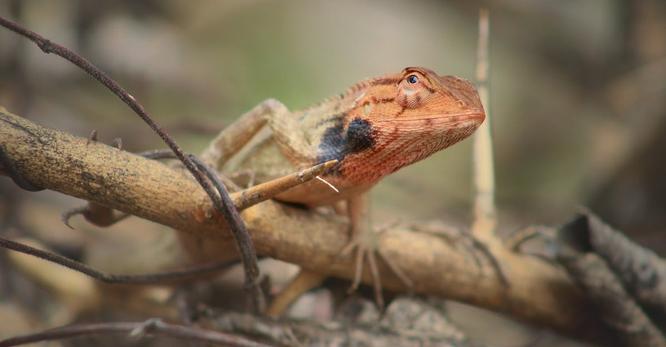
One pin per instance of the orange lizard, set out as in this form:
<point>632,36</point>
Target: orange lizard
<point>373,129</point>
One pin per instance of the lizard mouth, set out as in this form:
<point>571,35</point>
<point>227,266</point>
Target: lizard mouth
<point>452,118</point>
<point>469,115</point>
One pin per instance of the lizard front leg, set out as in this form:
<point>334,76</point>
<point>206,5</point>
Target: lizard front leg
<point>365,242</point>
<point>234,137</point>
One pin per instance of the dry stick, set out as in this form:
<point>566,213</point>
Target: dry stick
<point>485,218</point>
<point>114,279</point>
<point>484,175</point>
<point>134,329</point>
<point>263,191</point>
<point>222,202</point>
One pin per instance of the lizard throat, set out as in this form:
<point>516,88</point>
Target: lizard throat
<point>391,150</point>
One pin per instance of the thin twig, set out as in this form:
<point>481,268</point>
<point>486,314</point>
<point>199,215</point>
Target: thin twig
<point>263,191</point>
<point>268,190</point>
<point>154,278</point>
<point>136,330</point>
<point>221,202</point>
<point>256,295</point>
<point>484,173</point>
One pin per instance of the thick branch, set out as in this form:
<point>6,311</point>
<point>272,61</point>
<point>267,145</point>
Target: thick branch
<point>538,292</point>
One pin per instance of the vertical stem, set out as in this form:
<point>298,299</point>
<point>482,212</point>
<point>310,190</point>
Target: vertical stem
<point>483,167</point>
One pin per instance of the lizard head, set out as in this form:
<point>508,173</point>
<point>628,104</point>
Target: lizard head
<point>392,121</point>
<point>399,119</point>
<point>422,103</point>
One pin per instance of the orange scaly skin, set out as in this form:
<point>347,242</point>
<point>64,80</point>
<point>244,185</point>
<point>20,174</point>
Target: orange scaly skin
<point>373,129</point>
<point>377,127</point>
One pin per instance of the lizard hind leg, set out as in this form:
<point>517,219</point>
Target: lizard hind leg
<point>304,281</point>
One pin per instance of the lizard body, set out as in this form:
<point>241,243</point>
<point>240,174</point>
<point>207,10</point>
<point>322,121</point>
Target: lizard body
<point>374,128</point>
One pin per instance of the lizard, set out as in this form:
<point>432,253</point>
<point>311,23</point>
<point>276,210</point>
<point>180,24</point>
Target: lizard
<point>374,128</point>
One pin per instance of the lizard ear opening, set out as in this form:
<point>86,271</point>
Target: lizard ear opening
<point>413,90</point>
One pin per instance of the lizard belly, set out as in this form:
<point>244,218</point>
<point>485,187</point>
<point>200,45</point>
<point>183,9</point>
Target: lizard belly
<point>317,193</point>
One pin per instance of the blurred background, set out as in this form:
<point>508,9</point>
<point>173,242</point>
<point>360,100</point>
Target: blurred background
<point>578,101</point>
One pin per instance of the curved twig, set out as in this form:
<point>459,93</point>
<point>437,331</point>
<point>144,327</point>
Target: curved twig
<point>220,197</point>
<point>134,329</point>
<point>154,278</point>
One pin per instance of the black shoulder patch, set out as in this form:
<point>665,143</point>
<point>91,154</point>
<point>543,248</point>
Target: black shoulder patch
<point>336,143</point>
<point>332,145</point>
<point>359,135</point>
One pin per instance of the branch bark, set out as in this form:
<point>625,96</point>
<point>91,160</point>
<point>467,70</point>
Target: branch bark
<point>538,291</point>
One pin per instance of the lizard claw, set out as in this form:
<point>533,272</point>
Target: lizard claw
<point>366,246</point>
<point>117,143</point>
<point>67,215</point>
<point>96,214</point>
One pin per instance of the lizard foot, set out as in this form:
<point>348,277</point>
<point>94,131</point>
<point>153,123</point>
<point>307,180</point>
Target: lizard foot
<point>96,214</point>
<point>365,245</point>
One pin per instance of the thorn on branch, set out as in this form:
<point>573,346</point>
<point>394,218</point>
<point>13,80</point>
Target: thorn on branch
<point>92,137</point>
<point>117,143</point>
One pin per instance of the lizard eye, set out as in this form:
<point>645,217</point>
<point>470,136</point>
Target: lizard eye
<point>413,90</point>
